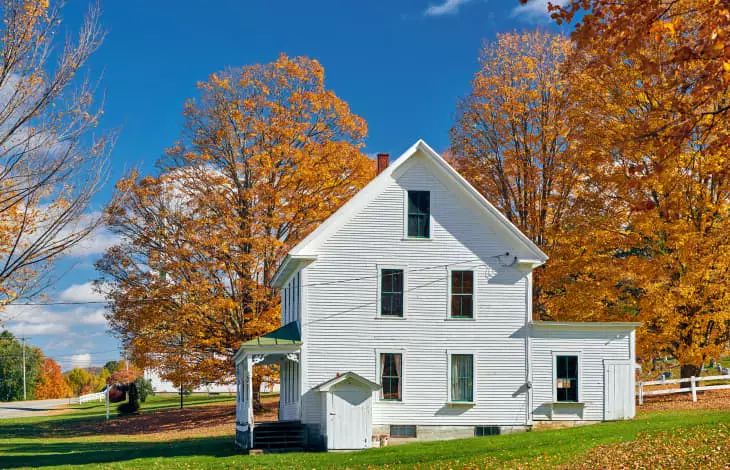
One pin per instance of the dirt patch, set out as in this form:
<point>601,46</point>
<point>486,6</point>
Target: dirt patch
<point>709,399</point>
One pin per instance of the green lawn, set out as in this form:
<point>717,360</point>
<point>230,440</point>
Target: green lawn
<point>54,442</point>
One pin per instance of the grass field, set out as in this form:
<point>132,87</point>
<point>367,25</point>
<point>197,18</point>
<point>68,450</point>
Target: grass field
<point>202,437</point>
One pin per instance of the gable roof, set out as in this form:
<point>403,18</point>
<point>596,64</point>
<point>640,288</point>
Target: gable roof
<point>305,251</point>
<point>358,379</point>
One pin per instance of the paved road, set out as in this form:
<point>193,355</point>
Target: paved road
<point>21,409</point>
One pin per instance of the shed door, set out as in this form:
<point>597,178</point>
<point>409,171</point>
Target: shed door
<point>349,424</point>
<point>618,395</point>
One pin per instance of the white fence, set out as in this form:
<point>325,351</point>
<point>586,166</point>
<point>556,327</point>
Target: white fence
<point>693,386</point>
<point>100,396</point>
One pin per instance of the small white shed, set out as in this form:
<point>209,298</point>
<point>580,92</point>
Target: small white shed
<point>348,411</point>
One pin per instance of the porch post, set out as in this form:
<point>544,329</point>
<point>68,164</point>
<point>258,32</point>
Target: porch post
<point>249,394</point>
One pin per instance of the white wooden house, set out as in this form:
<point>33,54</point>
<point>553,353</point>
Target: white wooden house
<point>408,313</point>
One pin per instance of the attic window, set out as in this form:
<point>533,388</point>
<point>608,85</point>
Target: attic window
<point>419,214</point>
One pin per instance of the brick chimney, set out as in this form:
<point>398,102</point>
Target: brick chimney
<point>383,161</point>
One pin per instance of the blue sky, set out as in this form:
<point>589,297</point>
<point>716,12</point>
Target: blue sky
<point>402,65</point>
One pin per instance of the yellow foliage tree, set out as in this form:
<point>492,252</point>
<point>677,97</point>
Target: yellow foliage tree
<point>512,137</point>
<point>268,153</point>
<point>650,238</point>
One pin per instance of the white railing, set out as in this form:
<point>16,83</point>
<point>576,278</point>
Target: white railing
<point>100,396</point>
<point>693,387</point>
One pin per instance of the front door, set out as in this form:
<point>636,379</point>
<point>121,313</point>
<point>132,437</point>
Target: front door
<point>618,396</point>
<point>349,423</point>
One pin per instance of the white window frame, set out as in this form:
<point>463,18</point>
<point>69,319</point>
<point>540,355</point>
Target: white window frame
<point>378,309</point>
<point>405,216</point>
<point>449,354</point>
<point>474,294</point>
<point>379,378</point>
<point>579,355</point>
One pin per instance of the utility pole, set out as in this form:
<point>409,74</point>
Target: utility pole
<point>182,345</point>
<point>25,391</point>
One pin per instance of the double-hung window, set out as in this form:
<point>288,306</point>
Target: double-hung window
<point>391,292</point>
<point>566,378</point>
<point>391,376</point>
<point>462,378</point>
<point>419,214</point>
<point>462,294</point>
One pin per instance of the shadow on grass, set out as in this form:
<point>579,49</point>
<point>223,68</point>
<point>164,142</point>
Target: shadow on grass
<point>82,453</point>
<point>150,421</point>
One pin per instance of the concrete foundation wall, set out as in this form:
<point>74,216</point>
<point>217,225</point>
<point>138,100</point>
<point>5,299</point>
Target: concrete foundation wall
<point>441,433</point>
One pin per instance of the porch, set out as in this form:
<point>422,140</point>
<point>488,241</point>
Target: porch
<point>281,347</point>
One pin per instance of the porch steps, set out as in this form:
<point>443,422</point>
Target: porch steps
<point>279,435</point>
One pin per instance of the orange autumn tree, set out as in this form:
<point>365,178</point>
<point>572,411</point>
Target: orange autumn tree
<point>51,383</point>
<point>268,152</point>
<point>512,136</point>
<point>652,79</point>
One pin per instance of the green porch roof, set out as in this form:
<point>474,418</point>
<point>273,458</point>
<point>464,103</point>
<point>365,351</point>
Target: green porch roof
<point>286,335</point>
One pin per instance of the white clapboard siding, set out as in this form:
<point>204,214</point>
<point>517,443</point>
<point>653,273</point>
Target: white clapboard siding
<point>289,378</point>
<point>594,347</point>
<point>342,332</point>
<point>291,300</point>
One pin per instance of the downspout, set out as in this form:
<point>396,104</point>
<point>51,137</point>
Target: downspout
<point>528,352</point>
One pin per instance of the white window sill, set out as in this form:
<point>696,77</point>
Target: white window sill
<point>459,319</point>
<point>568,403</point>
<point>388,318</point>
<point>461,403</point>
<point>416,239</point>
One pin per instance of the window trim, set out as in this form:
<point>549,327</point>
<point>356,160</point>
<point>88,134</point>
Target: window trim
<point>405,215</point>
<point>378,300</point>
<point>379,379</point>
<point>474,294</point>
<point>579,355</point>
<point>457,352</point>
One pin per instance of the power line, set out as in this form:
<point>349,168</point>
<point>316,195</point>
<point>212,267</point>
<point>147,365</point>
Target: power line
<point>322,283</point>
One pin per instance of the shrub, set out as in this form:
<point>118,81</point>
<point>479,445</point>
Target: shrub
<point>144,387</point>
<point>131,406</point>
<point>116,395</point>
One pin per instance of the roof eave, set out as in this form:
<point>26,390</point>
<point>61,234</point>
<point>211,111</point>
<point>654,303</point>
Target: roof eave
<point>589,325</point>
<point>291,264</point>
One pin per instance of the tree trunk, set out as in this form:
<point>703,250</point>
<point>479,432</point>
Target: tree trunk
<point>689,370</point>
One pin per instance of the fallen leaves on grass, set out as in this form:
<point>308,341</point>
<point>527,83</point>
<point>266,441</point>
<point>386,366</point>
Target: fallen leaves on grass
<point>696,448</point>
<point>709,400</point>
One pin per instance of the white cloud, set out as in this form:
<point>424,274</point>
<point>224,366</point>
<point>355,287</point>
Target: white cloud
<point>81,360</point>
<point>96,243</point>
<point>94,318</point>
<point>535,10</point>
<point>448,7</point>
<point>37,328</point>
<point>81,293</point>
<point>34,320</point>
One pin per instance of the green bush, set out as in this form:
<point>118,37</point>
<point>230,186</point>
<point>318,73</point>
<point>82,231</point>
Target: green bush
<point>144,387</point>
<point>131,406</point>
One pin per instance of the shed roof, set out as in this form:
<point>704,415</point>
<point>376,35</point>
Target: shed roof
<point>326,386</point>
